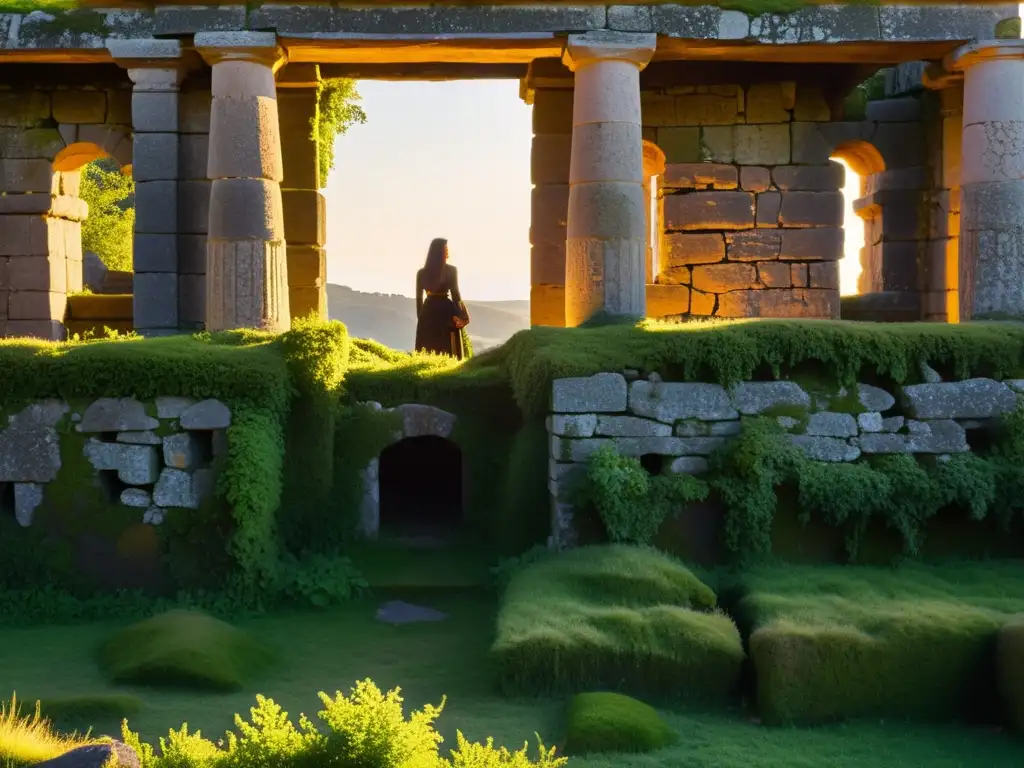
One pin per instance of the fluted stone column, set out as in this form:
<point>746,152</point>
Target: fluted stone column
<point>157,68</point>
<point>992,179</point>
<point>246,271</point>
<point>606,235</point>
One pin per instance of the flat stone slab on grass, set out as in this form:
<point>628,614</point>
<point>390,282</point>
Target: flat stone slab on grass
<point>398,612</point>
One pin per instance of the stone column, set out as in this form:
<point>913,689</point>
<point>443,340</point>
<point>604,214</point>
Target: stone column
<point>156,67</point>
<point>654,166</point>
<point>246,271</point>
<point>991,278</point>
<point>305,225</point>
<point>606,240</point>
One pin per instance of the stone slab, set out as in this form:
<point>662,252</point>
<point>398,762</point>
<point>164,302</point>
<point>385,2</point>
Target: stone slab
<point>671,402</point>
<point>968,399</point>
<point>601,393</point>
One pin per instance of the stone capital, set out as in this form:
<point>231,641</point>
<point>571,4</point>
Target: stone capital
<point>299,76</point>
<point>153,65</point>
<point>591,47</point>
<point>544,73</point>
<point>654,159</point>
<point>256,47</point>
<point>983,52</point>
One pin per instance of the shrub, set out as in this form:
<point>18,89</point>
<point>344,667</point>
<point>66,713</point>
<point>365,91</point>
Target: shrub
<point>367,729</point>
<point>611,722</point>
<point>1010,671</point>
<point>182,648</point>
<point>614,617</point>
<point>631,503</point>
<point>833,642</point>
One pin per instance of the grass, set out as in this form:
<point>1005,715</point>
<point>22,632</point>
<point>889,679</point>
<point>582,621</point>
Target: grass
<point>182,648</point>
<point>829,642</point>
<point>26,737</point>
<point>615,617</point>
<point>330,650</point>
<point>611,722</point>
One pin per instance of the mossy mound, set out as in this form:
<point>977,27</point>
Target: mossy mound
<point>618,617</point>
<point>611,722</point>
<point>1010,671</point>
<point>185,649</point>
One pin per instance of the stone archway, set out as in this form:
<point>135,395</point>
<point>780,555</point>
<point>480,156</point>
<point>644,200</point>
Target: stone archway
<point>417,421</point>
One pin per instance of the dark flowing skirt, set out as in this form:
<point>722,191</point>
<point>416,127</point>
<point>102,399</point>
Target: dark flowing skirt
<point>436,331</point>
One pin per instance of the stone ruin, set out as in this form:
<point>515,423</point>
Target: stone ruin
<point>682,161</point>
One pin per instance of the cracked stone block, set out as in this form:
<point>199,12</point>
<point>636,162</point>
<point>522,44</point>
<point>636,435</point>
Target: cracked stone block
<point>181,451</point>
<point>870,422</point>
<point>420,420</point>
<point>601,393</point>
<point>892,424</point>
<point>940,436</point>
<point>139,438</point>
<point>831,449</point>
<point>136,497</point>
<point>754,397</point>
<point>172,407</point>
<point>968,399</point>
<point>134,464</point>
<point>175,489</point>
<point>875,398</point>
<point>207,414</point>
<point>630,426</point>
<point>27,497</point>
<point>574,425</point>
<point>153,516</point>
<point>116,415</point>
<point>829,424</point>
<point>671,402</point>
<point>30,444</point>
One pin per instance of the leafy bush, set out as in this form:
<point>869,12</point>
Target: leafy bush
<point>614,616</point>
<point>611,722</point>
<point>108,231</point>
<point>832,642</point>
<point>320,580</point>
<point>182,648</point>
<point>366,729</point>
<point>631,503</point>
<point>1010,671</point>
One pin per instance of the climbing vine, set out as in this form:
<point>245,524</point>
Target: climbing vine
<point>337,111</point>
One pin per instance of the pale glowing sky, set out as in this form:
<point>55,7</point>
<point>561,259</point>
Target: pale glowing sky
<point>447,160</point>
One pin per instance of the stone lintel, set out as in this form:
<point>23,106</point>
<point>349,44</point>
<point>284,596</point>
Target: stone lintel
<point>983,51</point>
<point>545,73</point>
<point>299,76</point>
<point>258,47</point>
<point>636,48</point>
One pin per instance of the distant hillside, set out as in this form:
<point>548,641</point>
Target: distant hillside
<point>391,319</point>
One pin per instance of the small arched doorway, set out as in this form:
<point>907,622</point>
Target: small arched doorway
<point>421,489</point>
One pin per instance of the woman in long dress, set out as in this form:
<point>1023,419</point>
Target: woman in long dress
<point>440,313</point>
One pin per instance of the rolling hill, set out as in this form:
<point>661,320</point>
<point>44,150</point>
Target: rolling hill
<point>391,319</point>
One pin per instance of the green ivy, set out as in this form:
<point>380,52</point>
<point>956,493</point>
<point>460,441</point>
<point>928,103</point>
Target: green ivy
<point>631,503</point>
<point>337,111</point>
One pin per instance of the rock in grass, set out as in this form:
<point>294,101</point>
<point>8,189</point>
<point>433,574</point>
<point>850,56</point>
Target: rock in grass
<point>398,612</point>
<point>107,755</point>
<point>185,649</point>
<point>611,722</point>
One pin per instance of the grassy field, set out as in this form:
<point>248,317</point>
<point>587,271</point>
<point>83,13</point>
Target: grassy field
<point>331,650</point>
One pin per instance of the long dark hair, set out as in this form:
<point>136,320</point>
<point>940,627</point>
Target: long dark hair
<point>433,267</point>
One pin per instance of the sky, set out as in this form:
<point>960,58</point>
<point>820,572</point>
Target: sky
<point>449,160</point>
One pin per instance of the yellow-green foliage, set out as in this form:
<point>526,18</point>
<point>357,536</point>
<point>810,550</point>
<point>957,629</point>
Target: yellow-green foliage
<point>1010,670</point>
<point>27,739</point>
<point>611,722</point>
<point>182,649</point>
<point>614,616</point>
<point>366,728</point>
<point>733,351</point>
<point>849,641</point>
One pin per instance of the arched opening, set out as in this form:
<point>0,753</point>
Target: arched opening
<point>860,270</point>
<point>654,167</point>
<point>420,480</point>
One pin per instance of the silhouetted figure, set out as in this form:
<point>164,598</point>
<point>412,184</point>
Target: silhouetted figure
<point>440,314</point>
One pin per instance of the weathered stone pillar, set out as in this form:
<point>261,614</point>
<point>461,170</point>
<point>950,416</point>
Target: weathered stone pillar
<point>157,68</point>
<point>548,87</point>
<point>992,179</point>
<point>305,225</point>
<point>246,271</point>
<point>606,240</point>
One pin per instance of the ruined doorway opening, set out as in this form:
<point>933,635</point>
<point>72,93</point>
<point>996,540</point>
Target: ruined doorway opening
<point>860,269</point>
<point>421,486</point>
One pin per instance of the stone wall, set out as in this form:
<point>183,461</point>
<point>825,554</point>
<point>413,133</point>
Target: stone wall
<point>681,424</point>
<point>151,457</point>
<point>47,132</point>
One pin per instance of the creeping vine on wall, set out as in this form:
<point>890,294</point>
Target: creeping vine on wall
<point>337,111</point>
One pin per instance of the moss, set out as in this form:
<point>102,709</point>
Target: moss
<point>182,649</point>
<point>798,414</point>
<point>1008,29</point>
<point>611,722</point>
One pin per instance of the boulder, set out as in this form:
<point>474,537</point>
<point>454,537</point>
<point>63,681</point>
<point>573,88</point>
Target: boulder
<point>181,451</point>
<point>107,755</point>
<point>425,420</point>
<point>110,414</point>
<point>601,393</point>
<point>207,414</point>
<point>134,464</point>
<point>30,444</point>
<point>27,497</point>
<point>175,489</point>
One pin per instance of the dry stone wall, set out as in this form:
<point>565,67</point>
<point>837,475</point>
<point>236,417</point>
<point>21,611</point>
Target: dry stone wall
<point>682,424</point>
<point>152,457</point>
